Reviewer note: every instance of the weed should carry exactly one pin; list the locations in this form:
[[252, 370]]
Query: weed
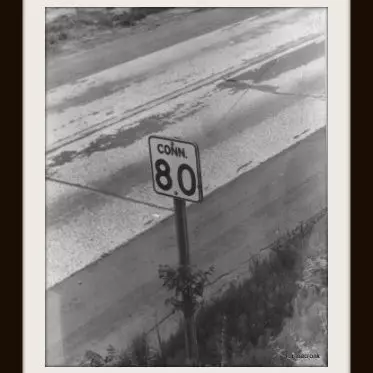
[[81, 22], [262, 321]]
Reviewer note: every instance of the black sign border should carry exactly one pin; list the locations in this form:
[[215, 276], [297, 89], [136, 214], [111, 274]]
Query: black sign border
[[199, 174]]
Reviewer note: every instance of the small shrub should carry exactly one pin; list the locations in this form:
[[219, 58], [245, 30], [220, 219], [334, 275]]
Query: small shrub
[[142, 355], [92, 359], [184, 281]]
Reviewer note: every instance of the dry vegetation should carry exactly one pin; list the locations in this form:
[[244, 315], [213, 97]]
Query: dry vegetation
[[279, 311], [66, 26]]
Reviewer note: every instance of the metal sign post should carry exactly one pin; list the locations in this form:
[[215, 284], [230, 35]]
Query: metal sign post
[[183, 245], [176, 173]]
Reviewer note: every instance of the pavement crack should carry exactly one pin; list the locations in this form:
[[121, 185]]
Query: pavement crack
[[243, 166], [300, 134], [274, 90], [293, 94]]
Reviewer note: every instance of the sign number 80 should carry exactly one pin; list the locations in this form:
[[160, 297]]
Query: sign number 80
[[164, 180]]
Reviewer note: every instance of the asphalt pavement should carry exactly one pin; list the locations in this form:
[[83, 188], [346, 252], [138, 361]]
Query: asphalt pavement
[[242, 93]]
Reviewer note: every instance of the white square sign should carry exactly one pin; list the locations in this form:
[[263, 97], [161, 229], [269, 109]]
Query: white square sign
[[176, 169]]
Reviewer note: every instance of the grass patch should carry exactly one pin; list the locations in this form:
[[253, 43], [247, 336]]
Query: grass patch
[[85, 22], [253, 311], [266, 320]]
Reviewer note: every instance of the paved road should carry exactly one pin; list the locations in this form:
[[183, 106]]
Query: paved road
[[251, 95], [99, 192]]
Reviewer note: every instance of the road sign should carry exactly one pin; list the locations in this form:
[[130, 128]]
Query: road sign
[[176, 168], [176, 173]]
